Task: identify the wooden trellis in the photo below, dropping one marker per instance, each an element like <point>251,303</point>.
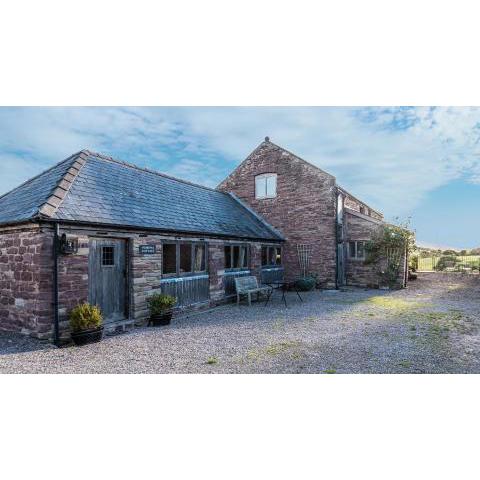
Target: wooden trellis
<point>304,253</point>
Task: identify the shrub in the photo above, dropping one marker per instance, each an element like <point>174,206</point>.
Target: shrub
<point>85,317</point>
<point>446,261</point>
<point>160,303</point>
<point>305,284</point>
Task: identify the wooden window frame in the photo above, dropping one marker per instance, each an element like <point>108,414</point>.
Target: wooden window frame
<point>356,257</point>
<point>192,272</point>
<point>109,265</point>
<point>271,265</point>
<point>247,257</point>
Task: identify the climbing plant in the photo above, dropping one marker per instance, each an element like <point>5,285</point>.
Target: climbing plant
<point>387,247</point>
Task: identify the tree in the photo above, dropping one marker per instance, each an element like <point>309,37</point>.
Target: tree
<point>450,252</point>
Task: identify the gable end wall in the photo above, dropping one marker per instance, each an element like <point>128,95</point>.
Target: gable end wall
<point>304,210</point>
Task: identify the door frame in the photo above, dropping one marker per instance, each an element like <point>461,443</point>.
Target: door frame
<point>126,282</point>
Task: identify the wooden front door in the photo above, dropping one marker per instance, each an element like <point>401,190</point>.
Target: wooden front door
<point>107,277</point>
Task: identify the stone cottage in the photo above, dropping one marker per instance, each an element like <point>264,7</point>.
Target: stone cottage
<point>92,228</point>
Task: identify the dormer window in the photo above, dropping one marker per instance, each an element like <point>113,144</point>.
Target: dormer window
<point>266,185</point>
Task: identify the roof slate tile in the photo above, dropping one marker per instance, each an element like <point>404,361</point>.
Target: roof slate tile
<point>107,191</point>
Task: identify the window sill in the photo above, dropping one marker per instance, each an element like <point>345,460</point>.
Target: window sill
<point>184,277</point>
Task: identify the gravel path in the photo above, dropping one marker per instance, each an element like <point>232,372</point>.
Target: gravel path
<point>431,327</point>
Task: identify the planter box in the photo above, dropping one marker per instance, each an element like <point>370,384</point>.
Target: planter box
<point>87,336</point>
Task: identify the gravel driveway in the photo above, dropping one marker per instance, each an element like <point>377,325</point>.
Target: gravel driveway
<point>431,327</point>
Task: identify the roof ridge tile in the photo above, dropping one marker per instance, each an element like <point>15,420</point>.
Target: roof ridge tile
<point>50,206</point>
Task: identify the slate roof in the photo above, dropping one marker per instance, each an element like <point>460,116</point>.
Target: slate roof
<point>93,188</point>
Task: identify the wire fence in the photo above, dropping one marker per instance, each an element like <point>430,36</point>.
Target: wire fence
<point>449,263</point>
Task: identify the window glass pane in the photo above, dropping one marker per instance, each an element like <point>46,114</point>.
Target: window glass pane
<point>278,257</point>
<point>272,186</point>
<point>108,256</point>
<point>351,246</point>
<point>260,187</point>
<point>271,255</point>
<point>228,256</point>
<point>243,257</point>
<point>169,263</point>
<point>360,249</point>
<point>264,255</point>
<point>185,257</point>
<point>236,256</point>
<point>199,258</point>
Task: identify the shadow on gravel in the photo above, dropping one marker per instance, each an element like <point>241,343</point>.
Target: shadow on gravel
<point>11,343</point>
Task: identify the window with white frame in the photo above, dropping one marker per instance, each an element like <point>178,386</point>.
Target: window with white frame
<point>356,250</point>
<point>266,185</point>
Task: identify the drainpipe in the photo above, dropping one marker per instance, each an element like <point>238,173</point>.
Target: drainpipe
<point>336,239</point>
<point>56,326</point>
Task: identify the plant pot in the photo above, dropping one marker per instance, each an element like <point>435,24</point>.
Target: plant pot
<point>87,336</point>
<point>305,284</point>
<point>161,319</point>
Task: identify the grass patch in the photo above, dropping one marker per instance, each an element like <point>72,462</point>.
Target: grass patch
<point>278,348</point>
<point>212,360</point>
<point>274,349</point>
<point>392,303</point>
<point>405,363</point>
<point>330,371</point>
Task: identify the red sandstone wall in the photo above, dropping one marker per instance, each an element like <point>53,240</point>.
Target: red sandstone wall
<point>357,273</point>
<point>26,280</point>
<point>303,211</point>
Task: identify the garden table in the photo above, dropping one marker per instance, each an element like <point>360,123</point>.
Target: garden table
<point>284,286</point>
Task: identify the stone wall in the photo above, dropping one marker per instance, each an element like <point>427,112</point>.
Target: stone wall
<point>26,275</point>
<point>26,280</point>
<point>360,227</point>
<point>145,271</point>
<point>145,275</point>
<point>304,210</point>
<point>357,227</point>
<point>72,282</point>
<point>356,205</point>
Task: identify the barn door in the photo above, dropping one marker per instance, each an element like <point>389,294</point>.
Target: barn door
<point>107,277</point>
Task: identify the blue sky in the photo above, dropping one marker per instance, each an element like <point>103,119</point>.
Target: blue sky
<point>419,162</point>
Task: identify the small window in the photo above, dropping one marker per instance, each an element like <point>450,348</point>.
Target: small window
<point>264,255</point>
<point>228,256</point>
<point>243,257</point>
<point>278,256</point>
<point>271,256</point>
<point>169,263</point>
<point>362,209</point>
<point>185,257</point>
<point>236,256</point>
<point>266,185</point>
<point>356,250</point>
<point>199,258</point>
<point>108,256</point>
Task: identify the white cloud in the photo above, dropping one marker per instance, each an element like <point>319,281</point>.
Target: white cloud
<point>391,157</point>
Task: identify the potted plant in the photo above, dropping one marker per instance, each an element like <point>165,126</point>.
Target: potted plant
<point>161,308</point>
<point>305,284</point>
<point>86,324</point>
